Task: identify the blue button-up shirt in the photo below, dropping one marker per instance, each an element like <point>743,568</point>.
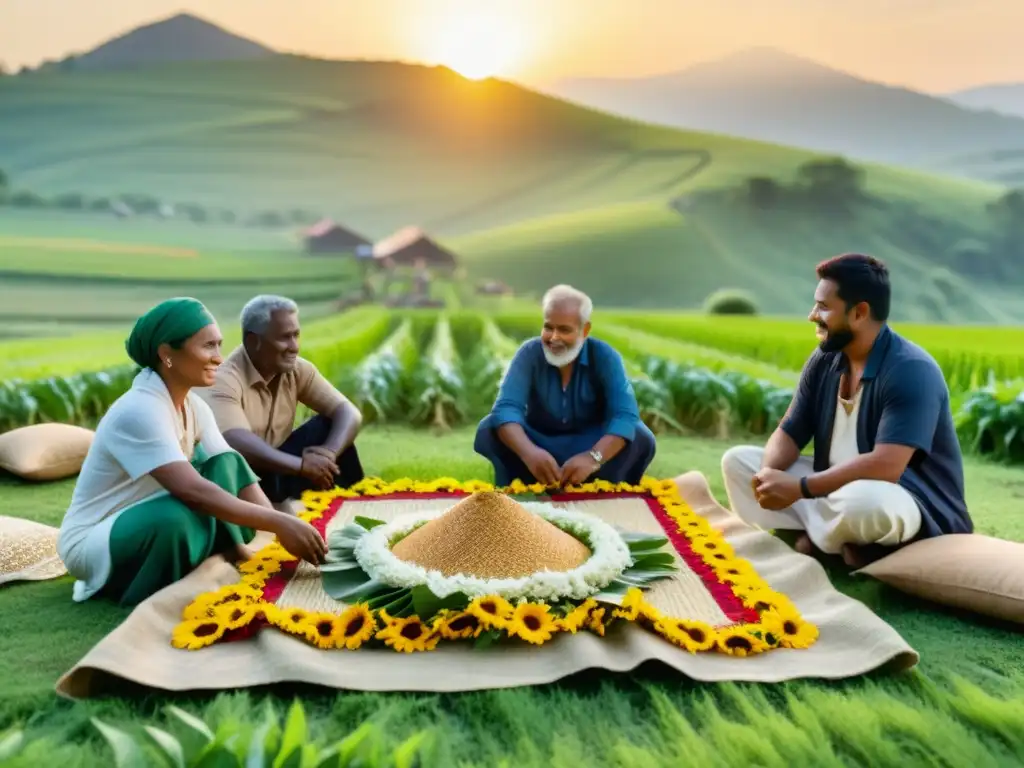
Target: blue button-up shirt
<point>599,393</point>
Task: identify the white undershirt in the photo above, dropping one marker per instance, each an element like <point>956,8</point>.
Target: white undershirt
<point>844,430</point>
<point>139,433</point>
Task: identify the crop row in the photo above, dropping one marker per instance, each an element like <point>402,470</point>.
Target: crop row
<point>970,357</point>
<point>443,369</point>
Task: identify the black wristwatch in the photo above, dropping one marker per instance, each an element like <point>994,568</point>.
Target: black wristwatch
<point>804,489</point>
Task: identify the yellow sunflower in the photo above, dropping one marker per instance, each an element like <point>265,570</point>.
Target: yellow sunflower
<point>533,622</point>
<point>694,636</point>
<point>632,605</point>
<point>408,635</point>
<point>762,599</point>
<point>355,626</point>
<point>196,634</point>
<point>235,615</point>
<point>693,526</point>
<point>577,617</point>
<point>736,572</point>
<point>291,620</point>
<point>263,565</point>
<point>493,611</point>
<point>713,547</point>
<point>788,626</point>
<point>739,641</point>
<point>595,621</point>
<point>204,606</point>
<point>458,625</point>
<point>322,629</point>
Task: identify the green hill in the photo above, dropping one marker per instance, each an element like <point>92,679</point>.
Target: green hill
<point>527,188</point>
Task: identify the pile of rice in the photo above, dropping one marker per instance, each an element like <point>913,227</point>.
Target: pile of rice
<point>490,535</point>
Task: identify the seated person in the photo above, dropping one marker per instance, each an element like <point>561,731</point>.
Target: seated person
<point>255,400</point>
<point>160,491</point>
<point>566,412</point>
<point>887,468</point>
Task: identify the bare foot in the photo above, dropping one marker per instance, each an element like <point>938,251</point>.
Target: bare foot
<point>803,545</point>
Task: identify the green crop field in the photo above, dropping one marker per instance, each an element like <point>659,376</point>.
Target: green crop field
<point>524,188</point>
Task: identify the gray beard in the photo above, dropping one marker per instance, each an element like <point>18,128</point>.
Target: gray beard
<point>563,359</point>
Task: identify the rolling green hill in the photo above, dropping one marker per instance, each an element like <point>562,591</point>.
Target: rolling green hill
<point>526,188</point>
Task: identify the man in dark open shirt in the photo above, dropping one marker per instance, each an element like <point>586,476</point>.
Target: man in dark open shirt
<point>566,412</point>
<point>887,468</point>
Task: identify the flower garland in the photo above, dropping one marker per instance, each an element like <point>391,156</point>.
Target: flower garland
<point>610,557</point>
<point>234,609</point>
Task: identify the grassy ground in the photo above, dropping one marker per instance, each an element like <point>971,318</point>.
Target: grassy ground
<point>962,706</point>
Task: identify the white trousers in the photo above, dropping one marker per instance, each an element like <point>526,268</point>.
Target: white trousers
<point>861,512</point>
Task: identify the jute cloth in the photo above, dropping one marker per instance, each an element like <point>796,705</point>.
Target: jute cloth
<point>28,551</point>
<point>852,641</point>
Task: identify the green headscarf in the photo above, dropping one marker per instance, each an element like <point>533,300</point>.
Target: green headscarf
<point>169,322</point>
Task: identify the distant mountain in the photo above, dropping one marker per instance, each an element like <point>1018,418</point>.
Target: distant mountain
<point>770,95</point>
<point>1006,98</point>
<point>179,38</point>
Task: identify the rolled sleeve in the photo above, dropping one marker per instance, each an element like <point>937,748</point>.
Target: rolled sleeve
<point>510,404</point>
<point>913,397</point>
<point>622,411</point>
<point>798,422</point>
<point>316,392</point>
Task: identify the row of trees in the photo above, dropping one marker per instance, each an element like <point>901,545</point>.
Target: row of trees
<point>147,205</point>
<point>830,183</point>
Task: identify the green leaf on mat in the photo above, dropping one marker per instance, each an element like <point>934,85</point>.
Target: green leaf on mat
<point>368,522</point>
<point>427,604</point>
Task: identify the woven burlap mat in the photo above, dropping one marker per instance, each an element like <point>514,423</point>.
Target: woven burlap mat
<point>28,551</point>
<point>852,640</point>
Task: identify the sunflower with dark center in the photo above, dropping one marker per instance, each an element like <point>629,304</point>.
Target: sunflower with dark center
<point>533,622</point>
<point>492,611</point>
<point>785,622</point>
<point>408,635</point>
<point>354,627</point>
<point>198,633</point>
<point>460,625</point>
<point>739,641</point>
<point>692,635</point>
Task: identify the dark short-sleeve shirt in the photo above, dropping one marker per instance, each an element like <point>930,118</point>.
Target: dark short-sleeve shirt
<point>599,393</point>
<point>905,401</point>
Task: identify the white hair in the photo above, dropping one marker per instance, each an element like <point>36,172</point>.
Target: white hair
<point>257,312</point>
<point>566,294</point>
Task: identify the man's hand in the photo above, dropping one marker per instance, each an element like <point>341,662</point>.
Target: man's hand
<point>301,539</point>
<point>776,490</point>
<point>542,465</point>
<point>577,469</point>
<point>319,469</point>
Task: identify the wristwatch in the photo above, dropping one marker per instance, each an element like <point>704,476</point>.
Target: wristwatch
<point>597,456</point>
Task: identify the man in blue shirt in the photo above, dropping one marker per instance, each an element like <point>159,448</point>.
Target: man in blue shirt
<point>887,468</point>
<point>566,412</point>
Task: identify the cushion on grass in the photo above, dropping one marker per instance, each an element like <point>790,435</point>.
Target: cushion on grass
<point>28,551</point>
<point>45,451</point>
<point>969,571</point>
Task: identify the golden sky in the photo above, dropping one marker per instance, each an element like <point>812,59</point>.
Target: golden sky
<point>930,45</point>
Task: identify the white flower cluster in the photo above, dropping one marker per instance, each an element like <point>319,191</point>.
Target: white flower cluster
<point>610,556</point>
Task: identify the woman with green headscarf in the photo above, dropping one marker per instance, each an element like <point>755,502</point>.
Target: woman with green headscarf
<point>160,490</point>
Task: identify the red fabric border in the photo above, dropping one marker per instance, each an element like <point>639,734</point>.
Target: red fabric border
<point>722,594</point>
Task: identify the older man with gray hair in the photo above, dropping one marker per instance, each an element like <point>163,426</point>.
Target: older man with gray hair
<point>566,412</point>
<point>255,400</point>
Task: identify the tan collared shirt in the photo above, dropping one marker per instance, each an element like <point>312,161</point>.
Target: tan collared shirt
<point>242,399</point>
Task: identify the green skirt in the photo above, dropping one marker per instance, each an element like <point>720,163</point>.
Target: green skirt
<point>157,542</point>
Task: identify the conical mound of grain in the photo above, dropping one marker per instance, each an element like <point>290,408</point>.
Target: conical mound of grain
<point>491,536</point>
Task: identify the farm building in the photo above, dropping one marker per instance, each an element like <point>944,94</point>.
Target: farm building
<point>410,245</point>
<point>327,236</point>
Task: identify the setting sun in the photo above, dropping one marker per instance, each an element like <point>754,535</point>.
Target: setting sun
<point>477,44</point>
